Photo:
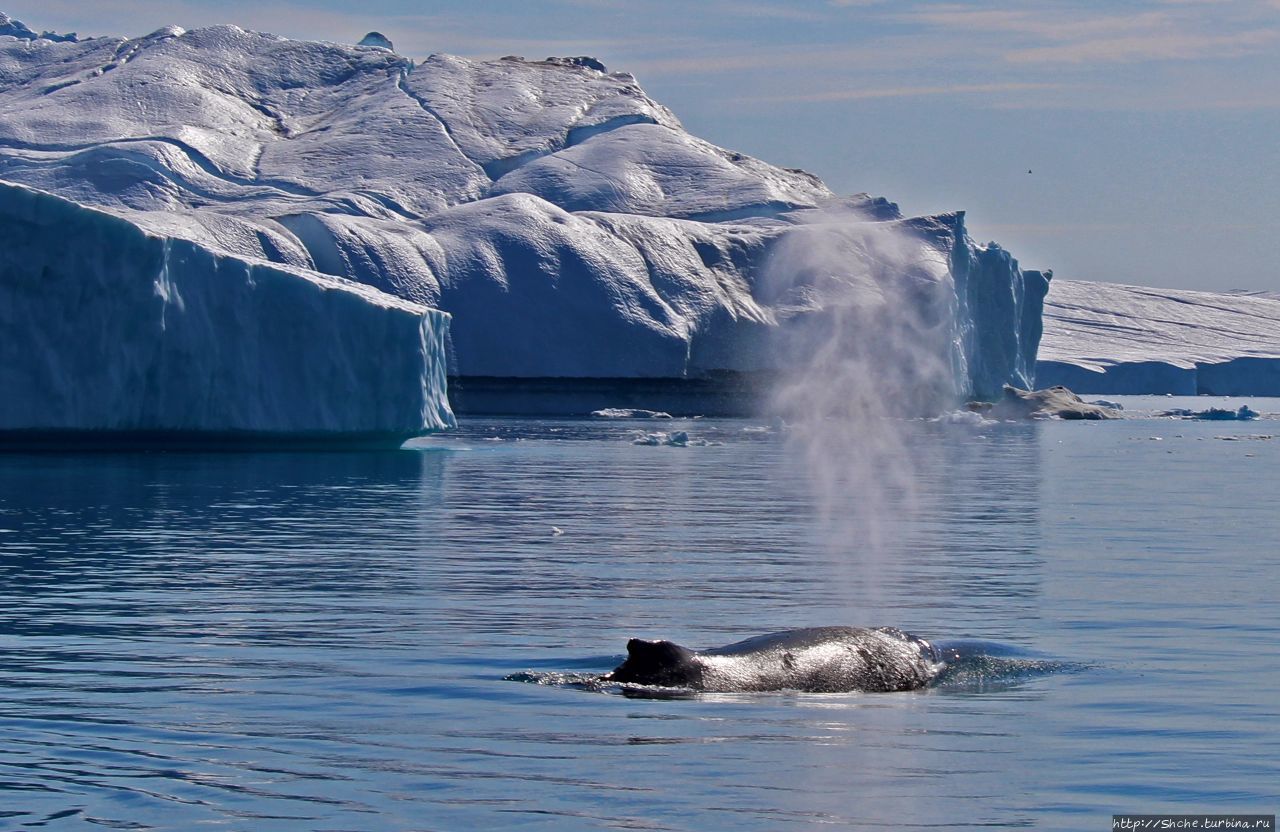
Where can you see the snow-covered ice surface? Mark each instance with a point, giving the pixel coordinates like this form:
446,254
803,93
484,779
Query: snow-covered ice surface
1114,339
569,223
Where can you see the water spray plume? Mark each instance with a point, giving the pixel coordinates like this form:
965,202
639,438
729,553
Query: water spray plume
870,328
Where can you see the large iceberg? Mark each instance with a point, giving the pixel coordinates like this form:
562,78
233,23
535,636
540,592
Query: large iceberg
1110,338
582,240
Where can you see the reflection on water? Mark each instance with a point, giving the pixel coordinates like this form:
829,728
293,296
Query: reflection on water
284,641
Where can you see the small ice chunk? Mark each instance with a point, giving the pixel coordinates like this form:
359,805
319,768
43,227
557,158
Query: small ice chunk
675,439
1214,414
963,417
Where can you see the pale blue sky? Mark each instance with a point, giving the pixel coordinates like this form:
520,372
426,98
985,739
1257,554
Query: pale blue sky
1152,127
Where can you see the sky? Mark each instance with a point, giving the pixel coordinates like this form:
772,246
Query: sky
1132,141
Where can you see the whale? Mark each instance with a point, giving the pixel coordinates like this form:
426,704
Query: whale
813,659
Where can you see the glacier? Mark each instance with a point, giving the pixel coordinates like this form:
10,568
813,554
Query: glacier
591,252
1115,339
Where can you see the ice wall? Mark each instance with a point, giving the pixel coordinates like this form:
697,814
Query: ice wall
108,328
1001,312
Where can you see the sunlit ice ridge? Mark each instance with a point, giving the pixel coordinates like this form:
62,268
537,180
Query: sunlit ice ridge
590,251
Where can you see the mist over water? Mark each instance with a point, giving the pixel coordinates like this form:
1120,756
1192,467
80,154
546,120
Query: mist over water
873,333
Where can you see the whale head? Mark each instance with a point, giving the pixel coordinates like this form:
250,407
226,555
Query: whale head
661,663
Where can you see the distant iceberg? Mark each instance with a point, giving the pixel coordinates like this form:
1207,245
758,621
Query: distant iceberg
1113,339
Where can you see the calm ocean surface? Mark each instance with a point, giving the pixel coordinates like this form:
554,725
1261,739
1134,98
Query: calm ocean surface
277,641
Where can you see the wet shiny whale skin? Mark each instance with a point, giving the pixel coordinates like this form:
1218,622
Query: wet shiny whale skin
815,659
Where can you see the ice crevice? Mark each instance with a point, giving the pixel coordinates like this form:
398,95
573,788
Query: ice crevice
401,77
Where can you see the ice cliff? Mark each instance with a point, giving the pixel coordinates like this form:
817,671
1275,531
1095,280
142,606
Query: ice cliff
1110,338
568,222
109,328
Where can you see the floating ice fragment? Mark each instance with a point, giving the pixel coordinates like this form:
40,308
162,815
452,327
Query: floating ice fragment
675,439
963,417
628,413
1213,414
1050,403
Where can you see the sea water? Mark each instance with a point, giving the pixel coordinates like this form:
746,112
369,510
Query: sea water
281,641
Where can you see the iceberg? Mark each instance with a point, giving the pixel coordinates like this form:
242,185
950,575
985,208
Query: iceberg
116,335
1114,339
589,249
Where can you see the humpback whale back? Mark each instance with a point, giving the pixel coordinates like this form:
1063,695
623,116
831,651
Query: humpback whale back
817,659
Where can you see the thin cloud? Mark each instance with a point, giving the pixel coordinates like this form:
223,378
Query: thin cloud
776,11
886,54
1183,30
1057,27
1163,47
904,92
